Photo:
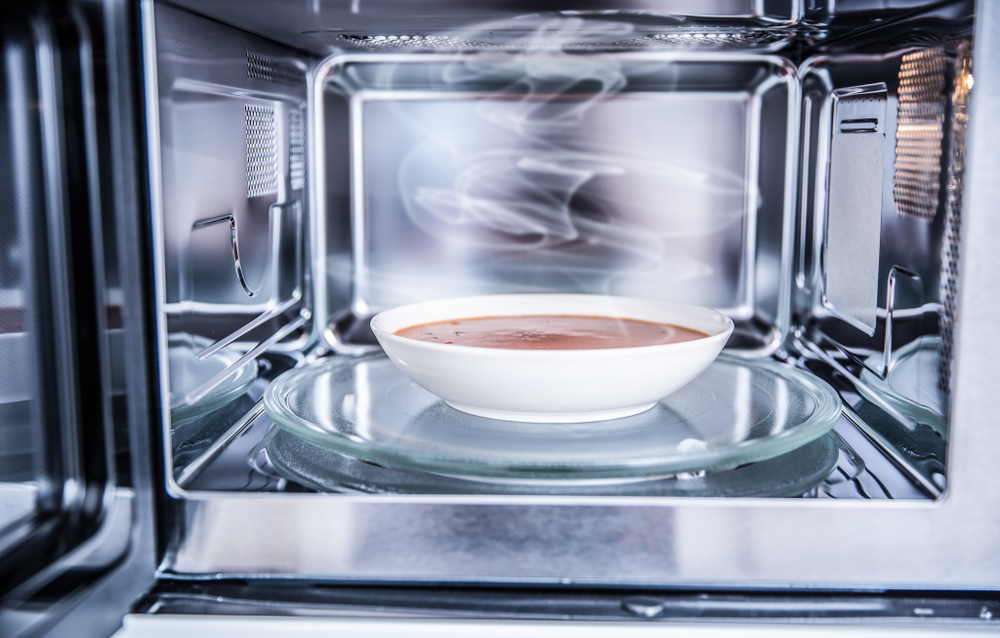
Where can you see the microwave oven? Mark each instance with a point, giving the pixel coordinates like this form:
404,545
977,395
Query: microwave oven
207,201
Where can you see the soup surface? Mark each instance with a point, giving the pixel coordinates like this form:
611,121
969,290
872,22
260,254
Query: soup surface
550,332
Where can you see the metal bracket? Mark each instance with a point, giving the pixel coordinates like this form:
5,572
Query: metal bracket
890,307
234,238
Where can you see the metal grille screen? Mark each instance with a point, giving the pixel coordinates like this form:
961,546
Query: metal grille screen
262,67
919,133
296,149
262,156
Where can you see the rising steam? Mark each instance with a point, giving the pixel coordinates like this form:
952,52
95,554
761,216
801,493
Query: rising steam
519,156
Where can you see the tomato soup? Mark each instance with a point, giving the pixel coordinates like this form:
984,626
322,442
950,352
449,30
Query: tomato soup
550,332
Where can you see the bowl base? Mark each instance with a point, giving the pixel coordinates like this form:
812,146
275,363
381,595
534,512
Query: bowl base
552,417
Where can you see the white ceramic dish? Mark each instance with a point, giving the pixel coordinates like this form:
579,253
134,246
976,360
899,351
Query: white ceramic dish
552,386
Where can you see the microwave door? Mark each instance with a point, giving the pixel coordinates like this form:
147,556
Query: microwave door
76,526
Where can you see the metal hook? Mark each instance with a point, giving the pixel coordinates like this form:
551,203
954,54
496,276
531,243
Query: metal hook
890,305
231,219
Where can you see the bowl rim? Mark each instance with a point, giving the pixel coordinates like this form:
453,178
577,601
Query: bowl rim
727,327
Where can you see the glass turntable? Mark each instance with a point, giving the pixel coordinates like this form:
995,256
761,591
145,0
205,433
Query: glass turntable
738,412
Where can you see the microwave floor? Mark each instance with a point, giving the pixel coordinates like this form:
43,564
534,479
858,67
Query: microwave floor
840,463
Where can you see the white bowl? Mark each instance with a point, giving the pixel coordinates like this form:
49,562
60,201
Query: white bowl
552,386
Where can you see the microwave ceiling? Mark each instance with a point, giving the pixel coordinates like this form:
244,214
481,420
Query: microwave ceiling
323,27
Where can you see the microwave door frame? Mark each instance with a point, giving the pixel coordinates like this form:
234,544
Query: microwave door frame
86,587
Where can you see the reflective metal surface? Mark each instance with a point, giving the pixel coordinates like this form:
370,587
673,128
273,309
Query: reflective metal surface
872,272
25,480
632,608
557,172
230,215
722,543
709,543
198,626
854,216
325,26
225,141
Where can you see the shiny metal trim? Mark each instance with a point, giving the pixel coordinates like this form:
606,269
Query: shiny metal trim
151,90
87,73
316,186
359,294
235,242
853,215
783,322
260,320
50,107
199,393
890,308
193,469
747,284
813,278
884,446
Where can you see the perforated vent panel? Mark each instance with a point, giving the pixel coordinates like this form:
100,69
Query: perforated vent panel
262,156
723,40
953,214
261,67
296,149
698,40
919,133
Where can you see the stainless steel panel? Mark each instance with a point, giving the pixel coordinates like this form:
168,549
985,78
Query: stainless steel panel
889,263
227,116
903,241
650,175
664,542
230,214
853,221
852,243
325,26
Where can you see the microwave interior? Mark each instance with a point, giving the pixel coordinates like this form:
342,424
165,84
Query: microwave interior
797,167
805,183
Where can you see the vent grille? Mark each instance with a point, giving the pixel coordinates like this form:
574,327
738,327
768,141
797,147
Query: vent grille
260,67
919,133
719,40
262,156
296,149
953,214
699,40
